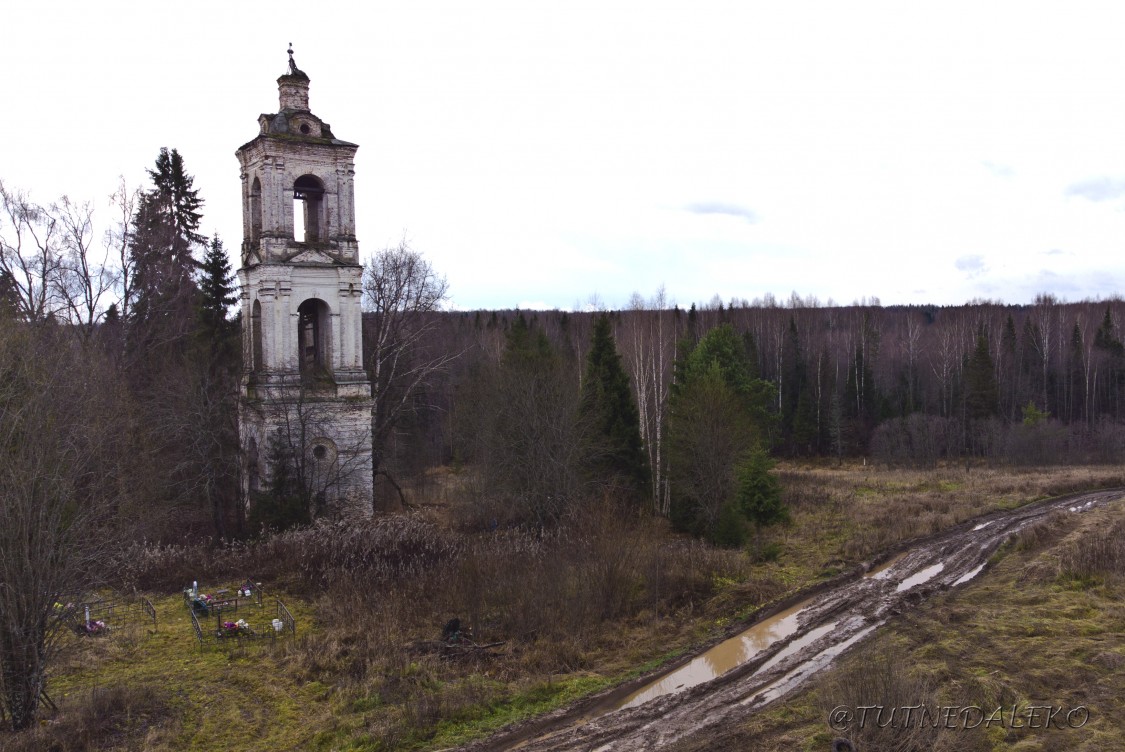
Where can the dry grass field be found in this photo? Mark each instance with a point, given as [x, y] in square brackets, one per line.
[605, 596]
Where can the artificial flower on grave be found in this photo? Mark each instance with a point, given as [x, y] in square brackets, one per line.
[96, 627]
[234, 628]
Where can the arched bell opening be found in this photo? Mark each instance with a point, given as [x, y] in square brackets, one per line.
[308, 219]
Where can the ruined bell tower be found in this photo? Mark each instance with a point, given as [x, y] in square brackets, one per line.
[305, 407]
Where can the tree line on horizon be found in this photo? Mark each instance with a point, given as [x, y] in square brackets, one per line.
[1024, 384]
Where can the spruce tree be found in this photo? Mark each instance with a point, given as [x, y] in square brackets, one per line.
[162, 252]
[759, 493]
[982, 396]
[179, 203]
[284, 503]
[607, 404]
[214, 372]
[717, 412]
[1105, 339]
[216, 292]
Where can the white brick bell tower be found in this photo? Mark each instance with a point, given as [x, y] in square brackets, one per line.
[305, 396]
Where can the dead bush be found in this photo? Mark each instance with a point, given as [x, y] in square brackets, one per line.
[117, 717]
[875, 686]
[1098, 554]
[1043, 533]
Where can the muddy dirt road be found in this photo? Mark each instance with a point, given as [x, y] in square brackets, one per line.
[782, 651]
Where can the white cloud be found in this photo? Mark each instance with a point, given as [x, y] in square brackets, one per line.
[539, 153]
[1101, 188]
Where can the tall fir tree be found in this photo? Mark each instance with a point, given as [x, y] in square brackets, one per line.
[162, 253]
[181, 352]
[1105, 338]
[214, 371]
[217, 293]
[982, 395]
[607, 404]
[179, 203]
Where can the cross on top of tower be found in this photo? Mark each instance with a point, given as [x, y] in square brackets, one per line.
[292, 63]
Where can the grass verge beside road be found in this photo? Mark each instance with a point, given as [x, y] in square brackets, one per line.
[577, 609]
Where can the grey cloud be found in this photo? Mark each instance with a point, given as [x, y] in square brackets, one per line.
[1101, 188]
[999, 170]
[972, 264]
[718, 207]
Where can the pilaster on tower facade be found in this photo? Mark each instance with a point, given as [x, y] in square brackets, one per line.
[306, 400]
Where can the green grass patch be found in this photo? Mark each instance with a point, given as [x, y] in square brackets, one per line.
[536, 700]
[220, 697]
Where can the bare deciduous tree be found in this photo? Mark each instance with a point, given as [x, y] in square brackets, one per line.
[30, 254]
[85, 276]
[48, 256]
[123, 204]
[400, 290]
[58, 493]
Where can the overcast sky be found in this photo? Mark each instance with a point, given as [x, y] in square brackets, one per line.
[541, 154]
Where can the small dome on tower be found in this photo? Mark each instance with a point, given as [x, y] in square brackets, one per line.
[293, 87]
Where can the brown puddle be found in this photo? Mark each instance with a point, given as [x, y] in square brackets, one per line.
[722, 658]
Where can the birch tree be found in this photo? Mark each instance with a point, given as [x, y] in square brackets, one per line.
[651, 343]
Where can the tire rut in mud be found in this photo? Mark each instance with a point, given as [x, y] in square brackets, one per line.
[829, 621]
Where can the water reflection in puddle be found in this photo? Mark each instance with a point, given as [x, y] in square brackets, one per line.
[772, 691]
[721, 658]
[983, 525]
[801, 642]
[919, 577]
[968, 576]
[881, 572]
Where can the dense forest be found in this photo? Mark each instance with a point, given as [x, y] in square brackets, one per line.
[1035, 384]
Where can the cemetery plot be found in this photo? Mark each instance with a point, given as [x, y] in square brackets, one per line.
[99, 616]
[233, 617]
[249, 593]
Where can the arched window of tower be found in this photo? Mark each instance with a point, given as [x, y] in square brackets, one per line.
[255, 210]
[307, 208]
[256, 358]
[313, 337]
